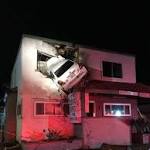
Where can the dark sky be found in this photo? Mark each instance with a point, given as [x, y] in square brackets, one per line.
[122, 29]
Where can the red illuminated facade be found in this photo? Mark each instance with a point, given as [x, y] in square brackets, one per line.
[51, 105]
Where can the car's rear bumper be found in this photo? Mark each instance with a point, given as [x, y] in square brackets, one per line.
[76, 79]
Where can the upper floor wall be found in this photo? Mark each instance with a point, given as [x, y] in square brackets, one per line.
[101, 65]
[109, 66]
[31, 80]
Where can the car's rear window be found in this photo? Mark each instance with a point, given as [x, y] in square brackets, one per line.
[63, 68]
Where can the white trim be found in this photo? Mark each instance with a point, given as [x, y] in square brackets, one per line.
[43, 115]
[123, 104]
[123, 92]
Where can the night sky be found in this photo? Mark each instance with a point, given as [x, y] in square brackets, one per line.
[121, 29]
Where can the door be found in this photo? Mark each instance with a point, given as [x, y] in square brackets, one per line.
[91, 109]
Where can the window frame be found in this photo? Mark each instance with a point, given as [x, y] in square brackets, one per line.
[121, 104]
[44, 54]
[45, 102]
[112, 69]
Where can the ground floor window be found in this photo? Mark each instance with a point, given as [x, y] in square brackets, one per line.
[48, 108]
[92, 109]
[114, 109]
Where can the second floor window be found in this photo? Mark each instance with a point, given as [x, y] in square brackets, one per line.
[111, 69]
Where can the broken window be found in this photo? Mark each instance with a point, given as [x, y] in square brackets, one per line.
[41, 62]
[111, 109]
[48, 108]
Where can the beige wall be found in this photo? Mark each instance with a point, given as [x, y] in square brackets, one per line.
[33, 85]
[33, 126]
[105, 130]
[93, 59]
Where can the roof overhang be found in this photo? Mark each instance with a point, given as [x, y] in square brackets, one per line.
[117, 88]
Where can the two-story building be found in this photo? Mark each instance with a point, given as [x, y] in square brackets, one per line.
[98, 109]
[110, 96]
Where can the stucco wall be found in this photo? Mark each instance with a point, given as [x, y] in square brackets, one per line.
[33, 126]
[54, 145]
[105, 130]
[33, 85]
[35, 82]
[16, 81]
[93, 59]
[16, 74]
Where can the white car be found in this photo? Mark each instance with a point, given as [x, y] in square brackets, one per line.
[64, 72]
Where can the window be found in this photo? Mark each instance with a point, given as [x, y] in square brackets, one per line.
[41, 62]
[111, 109]
[48, 108]
[63, 68]
[112, 69]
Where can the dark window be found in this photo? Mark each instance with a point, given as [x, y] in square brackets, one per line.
[107, 69]
[41, 56]
[47, 108]
[117, 70]
[63, 68]
[39, 108]
[91, 109]
[112, 69]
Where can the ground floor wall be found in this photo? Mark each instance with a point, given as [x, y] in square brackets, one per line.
[35, 127]
[105, 130]
[54, 145]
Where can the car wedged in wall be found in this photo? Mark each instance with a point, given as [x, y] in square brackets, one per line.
[64, 72]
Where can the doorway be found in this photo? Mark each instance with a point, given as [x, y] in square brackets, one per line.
[92, 109]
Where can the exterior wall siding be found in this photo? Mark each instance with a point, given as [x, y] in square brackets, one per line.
[33, 126]
[105, 130]
[101, 99]
[32, 85]
[93, 60]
